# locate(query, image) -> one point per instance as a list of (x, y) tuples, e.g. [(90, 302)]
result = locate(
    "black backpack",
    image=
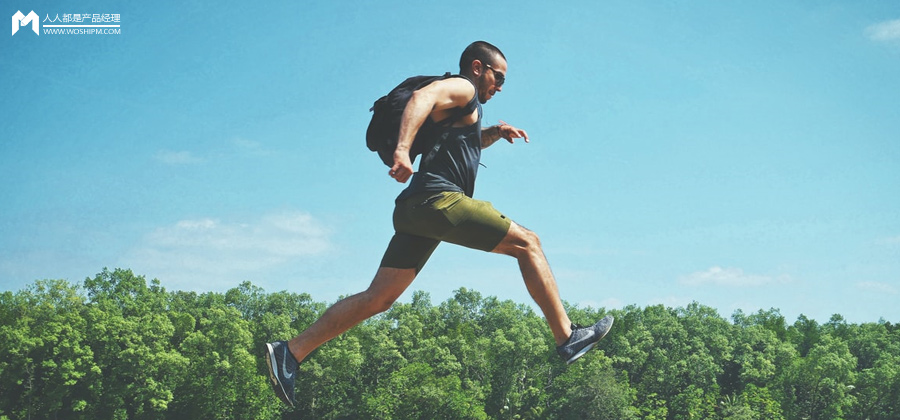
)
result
[(384, 129)]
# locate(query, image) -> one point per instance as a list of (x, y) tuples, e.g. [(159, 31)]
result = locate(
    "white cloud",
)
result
[(884, 31), (251, 147), (734, 277), (237, 147), (874, 286), (889, 241), (170, 157), (211, 252)]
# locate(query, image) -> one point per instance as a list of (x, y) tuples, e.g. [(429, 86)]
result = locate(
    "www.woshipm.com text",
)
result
[(82, 31)]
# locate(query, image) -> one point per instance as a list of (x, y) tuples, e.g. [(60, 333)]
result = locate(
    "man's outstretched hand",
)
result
[(511, 133)]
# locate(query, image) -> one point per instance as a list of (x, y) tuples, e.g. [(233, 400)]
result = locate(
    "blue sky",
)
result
[(742, 155)]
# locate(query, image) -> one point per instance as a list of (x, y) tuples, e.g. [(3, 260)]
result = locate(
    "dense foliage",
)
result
[(117, 347)]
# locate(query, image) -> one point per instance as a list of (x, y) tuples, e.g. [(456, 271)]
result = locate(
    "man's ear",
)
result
[(477, 68)]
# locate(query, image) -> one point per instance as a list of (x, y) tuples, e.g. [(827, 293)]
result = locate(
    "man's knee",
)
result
[(530, 239), (383, 305), (376, 302), (519, 241), (386, 288)]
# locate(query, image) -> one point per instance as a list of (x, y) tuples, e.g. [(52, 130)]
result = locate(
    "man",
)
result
[(438, 206)]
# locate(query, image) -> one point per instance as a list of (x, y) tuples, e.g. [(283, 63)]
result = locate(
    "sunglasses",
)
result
[(499, 78)]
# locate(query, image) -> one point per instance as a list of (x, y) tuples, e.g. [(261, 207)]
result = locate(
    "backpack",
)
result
[(384, 128)]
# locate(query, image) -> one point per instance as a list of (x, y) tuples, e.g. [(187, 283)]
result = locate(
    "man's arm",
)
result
[(439, 96), (491, 134)]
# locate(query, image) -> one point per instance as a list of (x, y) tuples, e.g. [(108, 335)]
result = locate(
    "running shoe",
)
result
[(282, 368), (583, 339)]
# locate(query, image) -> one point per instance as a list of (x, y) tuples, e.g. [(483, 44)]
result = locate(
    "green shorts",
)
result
[(422, 221)]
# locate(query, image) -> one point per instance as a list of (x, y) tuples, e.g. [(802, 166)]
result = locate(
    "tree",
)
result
[(759, 357), (518, 350), (678, 369), (771, 320), (122, 347), (417, 392), (805, 333), (818, 386), (589, 390), (131, 339), (224, 381), (46, 363), (761, 403), (877, 390)]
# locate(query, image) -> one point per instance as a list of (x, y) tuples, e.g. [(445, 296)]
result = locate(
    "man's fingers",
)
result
[(509, 132), (400, 173), (515, 133)]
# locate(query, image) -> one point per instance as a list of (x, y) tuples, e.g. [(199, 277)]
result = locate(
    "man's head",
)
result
[(486, 66)]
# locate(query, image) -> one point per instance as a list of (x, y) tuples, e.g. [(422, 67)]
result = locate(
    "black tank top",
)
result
[(454, 164)]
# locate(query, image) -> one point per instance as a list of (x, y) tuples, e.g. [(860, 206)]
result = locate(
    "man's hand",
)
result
[(511, 133), (493, 133), (402, 169)]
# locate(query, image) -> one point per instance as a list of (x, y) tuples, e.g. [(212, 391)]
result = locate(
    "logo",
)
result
[(19, 20), (69, 23), (284, 370)]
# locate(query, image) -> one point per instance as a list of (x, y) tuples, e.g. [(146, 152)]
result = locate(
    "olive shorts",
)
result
[(422, 221)]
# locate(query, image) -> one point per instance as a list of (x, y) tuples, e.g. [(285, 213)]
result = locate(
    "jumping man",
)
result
[(436, 207)]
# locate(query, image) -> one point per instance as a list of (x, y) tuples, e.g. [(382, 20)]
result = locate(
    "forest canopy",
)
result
[(120, 347)]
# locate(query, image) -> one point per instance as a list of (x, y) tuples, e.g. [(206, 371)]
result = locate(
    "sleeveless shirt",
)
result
[(454, 165)]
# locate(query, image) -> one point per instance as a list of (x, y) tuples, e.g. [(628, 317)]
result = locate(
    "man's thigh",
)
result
[(408, 251), (452, 217), (424, 220)]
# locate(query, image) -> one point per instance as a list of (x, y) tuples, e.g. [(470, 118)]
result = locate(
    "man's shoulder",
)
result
[(455, 85), (453, 92)]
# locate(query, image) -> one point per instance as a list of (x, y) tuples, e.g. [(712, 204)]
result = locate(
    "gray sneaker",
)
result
[(583, 339), (282, 368)]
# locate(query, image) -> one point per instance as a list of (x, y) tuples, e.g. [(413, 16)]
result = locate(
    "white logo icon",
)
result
[(19, 19), (284, 370)]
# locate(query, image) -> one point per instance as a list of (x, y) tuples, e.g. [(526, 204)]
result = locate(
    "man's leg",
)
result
[(404, 258), (525, 246), (388, 285)]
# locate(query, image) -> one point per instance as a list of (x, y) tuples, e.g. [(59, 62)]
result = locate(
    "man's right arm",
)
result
[(439, 96), (417, 110)]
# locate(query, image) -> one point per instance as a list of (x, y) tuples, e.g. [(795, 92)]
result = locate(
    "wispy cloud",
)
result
[(170, 157), (237, 147), (732, 277), (884, 31), (889, 241), (250, 147), (877, 287), (212, 252)]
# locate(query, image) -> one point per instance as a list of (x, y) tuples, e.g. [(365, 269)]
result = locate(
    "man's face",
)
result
[(491, 80)]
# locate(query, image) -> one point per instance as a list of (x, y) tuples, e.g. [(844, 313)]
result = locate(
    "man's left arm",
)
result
[(491, 134)]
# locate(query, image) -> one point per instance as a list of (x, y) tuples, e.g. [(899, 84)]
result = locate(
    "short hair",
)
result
[(479, 50)]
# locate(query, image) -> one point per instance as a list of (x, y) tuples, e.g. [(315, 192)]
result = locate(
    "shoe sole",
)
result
[(590, 346), (276, 384)]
